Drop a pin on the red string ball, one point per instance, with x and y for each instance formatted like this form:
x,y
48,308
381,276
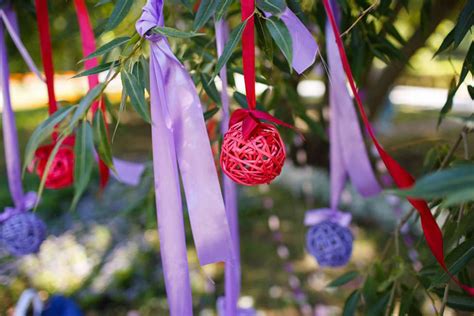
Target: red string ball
x,y
255,160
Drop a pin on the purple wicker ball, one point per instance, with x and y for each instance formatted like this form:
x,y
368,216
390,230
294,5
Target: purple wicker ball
x,y
330,243
23,233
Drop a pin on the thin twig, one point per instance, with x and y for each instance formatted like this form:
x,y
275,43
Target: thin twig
x,y
361,16
458,221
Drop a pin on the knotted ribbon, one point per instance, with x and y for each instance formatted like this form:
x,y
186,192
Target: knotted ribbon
x,y
22,202
179,138
401,177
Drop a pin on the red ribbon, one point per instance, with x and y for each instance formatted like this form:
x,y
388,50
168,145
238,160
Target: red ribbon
x,y
46,51
250,118
402,178
88,47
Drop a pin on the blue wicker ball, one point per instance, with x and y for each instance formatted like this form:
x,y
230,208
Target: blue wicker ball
x,y
330,243
23,233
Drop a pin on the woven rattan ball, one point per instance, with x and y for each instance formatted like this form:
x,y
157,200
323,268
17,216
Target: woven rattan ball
x,y
255,160
330,243
23,233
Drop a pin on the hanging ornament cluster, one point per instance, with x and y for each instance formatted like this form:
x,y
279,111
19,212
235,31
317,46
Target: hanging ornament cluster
x,y
330,243
21,232
402,178
252,152
254,160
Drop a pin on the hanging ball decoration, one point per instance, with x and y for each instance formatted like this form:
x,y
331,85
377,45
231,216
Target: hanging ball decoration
x,y
255,160
23,233
330,243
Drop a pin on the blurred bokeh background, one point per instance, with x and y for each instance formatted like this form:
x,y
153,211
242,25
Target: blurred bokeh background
x,y
106,254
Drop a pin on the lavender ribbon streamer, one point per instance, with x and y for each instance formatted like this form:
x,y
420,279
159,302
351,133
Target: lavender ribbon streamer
x,y
223,311
305,47
10,137
313,217
179,137
9,19
232,268
348,155
128,172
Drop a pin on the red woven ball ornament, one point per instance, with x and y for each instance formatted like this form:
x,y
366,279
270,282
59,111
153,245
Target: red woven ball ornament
x,y
255,160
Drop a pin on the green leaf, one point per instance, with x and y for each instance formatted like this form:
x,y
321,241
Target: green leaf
x,y
442,183
43,131
107,47
101,140
456,260
272,6
470,89
83,160
264,38
98,69
205,12
234,38
351,303
136,93
458,301
121,9
281,36
210,113
344,279
210,88
464,23
221,8
448,41
171,32
85,103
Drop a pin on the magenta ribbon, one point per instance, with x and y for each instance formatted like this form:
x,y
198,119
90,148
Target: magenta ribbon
x,y
304,46
21,201
179,137
232,269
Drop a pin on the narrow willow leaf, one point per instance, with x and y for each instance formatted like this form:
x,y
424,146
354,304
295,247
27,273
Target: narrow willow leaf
x,y
107,47
205,12
210,88
98,69
351,303
464,23
344,279
85,103
137,94
221,8
281,36
101,140
442,183
447,42
272,6
43,131
102,2
171,32
457,259
234,38
210,113
121,9
264,38
83,160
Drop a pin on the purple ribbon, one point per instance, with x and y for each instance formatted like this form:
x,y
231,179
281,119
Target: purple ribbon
x,y
304,46
232,268
223,311
22,202
179,137
128,172
348,155
314,217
